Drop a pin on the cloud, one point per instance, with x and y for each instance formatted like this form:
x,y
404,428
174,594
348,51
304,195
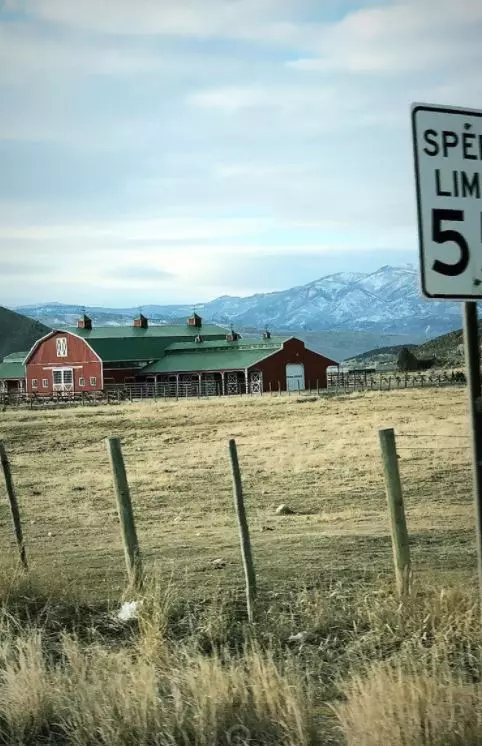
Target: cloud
x,y
198,18
398,38
142,273
19,269
24,49
202,141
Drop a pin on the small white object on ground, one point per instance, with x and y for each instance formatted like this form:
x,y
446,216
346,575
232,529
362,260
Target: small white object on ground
x,y
302,637
284,510
219,563
128,611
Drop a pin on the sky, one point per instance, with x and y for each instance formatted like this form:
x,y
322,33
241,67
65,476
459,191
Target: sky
x,y
172,151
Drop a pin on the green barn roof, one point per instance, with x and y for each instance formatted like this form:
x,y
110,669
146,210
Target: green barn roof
x,y
207,360
163,330
11,371
15,357
274,343
129,343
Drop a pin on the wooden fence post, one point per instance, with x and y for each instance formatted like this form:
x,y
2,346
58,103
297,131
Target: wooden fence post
x,y
126,516
12,499
400,541
243,530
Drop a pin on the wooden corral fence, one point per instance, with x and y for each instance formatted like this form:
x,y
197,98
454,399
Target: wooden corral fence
x,y
343,381
367,380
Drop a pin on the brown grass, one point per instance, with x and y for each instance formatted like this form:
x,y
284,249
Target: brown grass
x,y
190,670
321,457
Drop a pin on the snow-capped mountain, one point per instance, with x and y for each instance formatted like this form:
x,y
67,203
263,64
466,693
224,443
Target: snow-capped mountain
x,y
388,301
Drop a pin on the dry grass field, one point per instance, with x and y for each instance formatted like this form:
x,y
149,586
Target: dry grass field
x,y
320,457
189,670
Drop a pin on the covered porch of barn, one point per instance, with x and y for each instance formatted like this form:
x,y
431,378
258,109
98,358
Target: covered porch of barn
x,y
12,374
206,383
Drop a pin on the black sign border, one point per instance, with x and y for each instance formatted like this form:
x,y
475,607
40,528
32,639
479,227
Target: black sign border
x,y
444,110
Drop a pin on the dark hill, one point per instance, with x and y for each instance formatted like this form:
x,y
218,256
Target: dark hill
x,y
446,349
17,332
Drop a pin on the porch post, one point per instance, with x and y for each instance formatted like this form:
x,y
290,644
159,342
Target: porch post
x,y
177,385
247,380
223,383
199,391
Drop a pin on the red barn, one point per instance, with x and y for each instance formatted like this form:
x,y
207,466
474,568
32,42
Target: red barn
x,y
188,359
63,362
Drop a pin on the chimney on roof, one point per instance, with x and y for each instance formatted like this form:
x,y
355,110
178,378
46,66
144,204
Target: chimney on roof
x,y
84,322
195,321
141,322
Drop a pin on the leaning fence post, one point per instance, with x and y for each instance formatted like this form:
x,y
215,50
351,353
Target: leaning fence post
x,y
126,516
243,530
400,541
12,499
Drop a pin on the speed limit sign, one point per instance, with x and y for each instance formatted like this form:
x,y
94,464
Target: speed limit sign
x,y
448,171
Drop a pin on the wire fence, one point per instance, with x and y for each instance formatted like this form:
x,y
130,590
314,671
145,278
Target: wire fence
x,y
326,471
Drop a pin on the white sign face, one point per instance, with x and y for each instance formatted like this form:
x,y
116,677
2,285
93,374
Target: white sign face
x,y
448,170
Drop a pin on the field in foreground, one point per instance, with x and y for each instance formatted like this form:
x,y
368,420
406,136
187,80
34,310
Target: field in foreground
x,y
189,671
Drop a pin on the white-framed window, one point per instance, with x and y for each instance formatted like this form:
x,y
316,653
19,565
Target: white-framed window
x,y
93,381
81,381
45,383
61,346
34,383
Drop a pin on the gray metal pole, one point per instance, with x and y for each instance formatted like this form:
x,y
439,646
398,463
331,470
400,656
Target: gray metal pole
x,y
472,361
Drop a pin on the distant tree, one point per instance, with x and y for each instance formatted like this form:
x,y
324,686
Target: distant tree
x,y
406,360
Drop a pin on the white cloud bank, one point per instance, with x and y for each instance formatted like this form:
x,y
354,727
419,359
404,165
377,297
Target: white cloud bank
x,y
156,132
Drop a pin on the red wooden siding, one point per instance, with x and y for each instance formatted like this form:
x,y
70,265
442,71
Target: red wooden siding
x,y
80,358
294,351
119,375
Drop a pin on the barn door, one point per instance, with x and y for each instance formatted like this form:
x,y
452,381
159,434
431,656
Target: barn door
x,y
295,377
256,382
63,379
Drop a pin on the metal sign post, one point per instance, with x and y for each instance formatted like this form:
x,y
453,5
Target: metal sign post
x,y
448,173
472,360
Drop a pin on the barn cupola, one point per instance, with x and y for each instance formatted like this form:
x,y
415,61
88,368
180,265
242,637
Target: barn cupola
x,y
84,322
233,336
195,321
140,322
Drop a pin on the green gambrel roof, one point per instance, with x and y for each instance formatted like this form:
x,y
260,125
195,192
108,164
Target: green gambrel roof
x,y
12,370
128,343
115,350
163,330
208,360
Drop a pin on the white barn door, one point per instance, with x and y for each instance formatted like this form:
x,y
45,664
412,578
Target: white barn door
x,y
295,377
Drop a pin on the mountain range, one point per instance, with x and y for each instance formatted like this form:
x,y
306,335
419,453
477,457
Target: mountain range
x,y
387,301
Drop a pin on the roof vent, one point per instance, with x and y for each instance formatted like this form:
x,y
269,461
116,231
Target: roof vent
x,y
141,322
233,336
195,320
84,322
198,339
266,334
